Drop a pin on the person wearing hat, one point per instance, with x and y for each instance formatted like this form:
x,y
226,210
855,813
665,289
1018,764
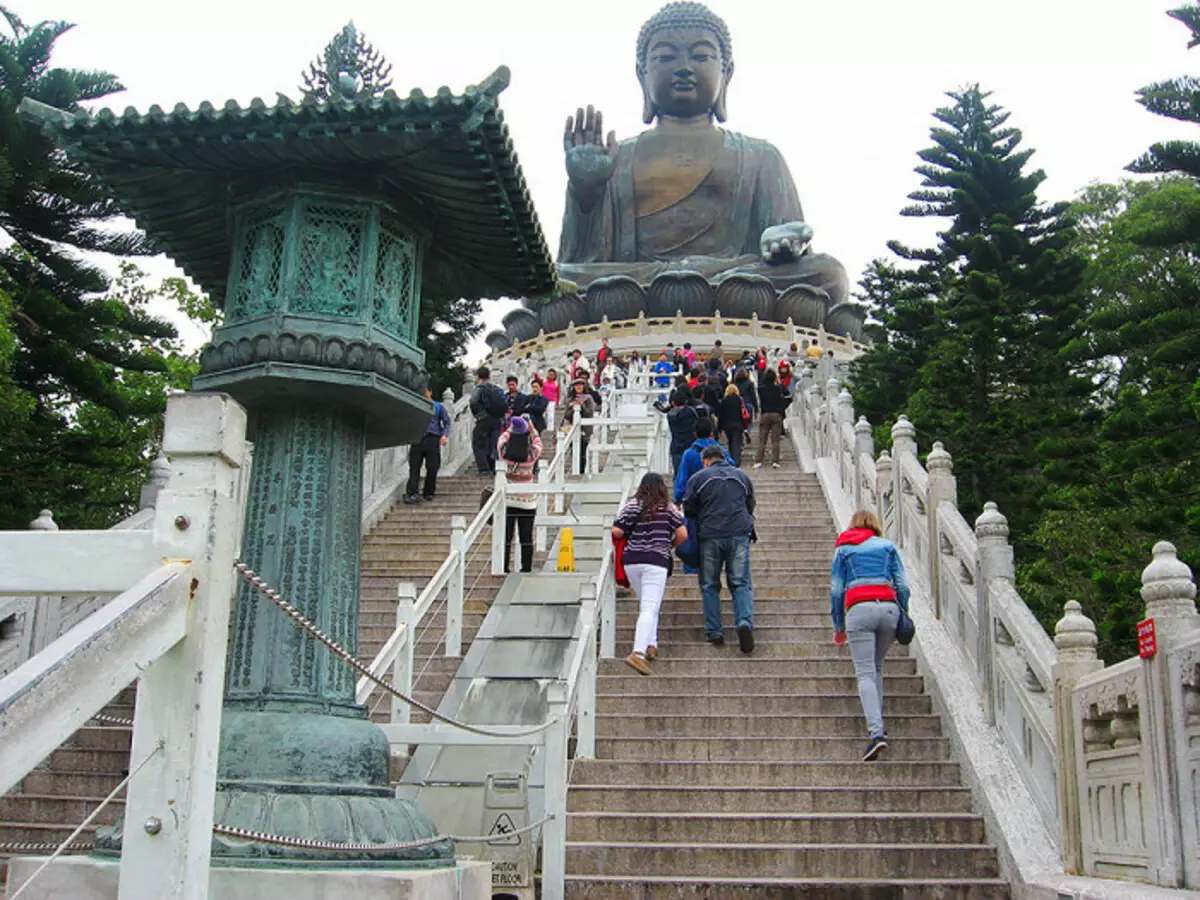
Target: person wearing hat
x,y
519,449
580,398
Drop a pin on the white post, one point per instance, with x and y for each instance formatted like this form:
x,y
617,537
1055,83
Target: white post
x,y
1170,596
1075,639
541,536
585,726
607,595
499,522
864,444
167,842
454,590
993,560
576,440
941,486
402,667
883,491
554,832
904,443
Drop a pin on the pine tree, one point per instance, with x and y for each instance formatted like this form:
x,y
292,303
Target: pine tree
x,y
988,308
448,325
1178,98
70,344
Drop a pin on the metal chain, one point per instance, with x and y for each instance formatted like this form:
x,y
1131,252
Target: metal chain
x,y
254,580
32,847
279,840
111,720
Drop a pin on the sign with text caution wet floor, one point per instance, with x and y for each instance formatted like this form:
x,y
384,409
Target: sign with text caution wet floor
x,y
505,813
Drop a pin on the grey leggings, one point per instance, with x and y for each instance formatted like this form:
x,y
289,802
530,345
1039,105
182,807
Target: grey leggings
x,y
870,630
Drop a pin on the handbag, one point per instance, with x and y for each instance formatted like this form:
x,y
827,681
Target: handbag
x,y
906,629
689,551
619,573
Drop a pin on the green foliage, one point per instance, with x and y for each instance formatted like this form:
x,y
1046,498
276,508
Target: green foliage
x,y
448,325
1176,98
971,328
84,369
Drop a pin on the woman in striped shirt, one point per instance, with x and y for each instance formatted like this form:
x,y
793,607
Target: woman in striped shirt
x,y
651,526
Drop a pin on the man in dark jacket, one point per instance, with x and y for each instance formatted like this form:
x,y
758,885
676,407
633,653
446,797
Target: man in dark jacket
x,y
720,497
513,398
488,407
692,460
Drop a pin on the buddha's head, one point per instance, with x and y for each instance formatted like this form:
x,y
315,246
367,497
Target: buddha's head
x,y
685,61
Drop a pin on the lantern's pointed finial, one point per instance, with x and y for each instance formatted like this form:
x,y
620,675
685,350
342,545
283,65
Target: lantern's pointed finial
x,y
349,68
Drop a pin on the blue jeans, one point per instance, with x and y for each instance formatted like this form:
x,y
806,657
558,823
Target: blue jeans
x,y
870,630
734,554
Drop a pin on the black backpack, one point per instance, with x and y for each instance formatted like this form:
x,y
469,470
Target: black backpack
x,y
493,402
516,449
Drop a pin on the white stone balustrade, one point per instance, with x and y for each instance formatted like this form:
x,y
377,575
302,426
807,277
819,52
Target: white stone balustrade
x,y
1109,757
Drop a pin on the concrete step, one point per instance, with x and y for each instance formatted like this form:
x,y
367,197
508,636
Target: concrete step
x,y
47,809
782,703
776,828
63,782
755,723
761,773
775,659
669,747
654,887
927,799
866,861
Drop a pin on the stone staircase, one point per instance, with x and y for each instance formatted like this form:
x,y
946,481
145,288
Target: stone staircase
x,y
725,775
408,544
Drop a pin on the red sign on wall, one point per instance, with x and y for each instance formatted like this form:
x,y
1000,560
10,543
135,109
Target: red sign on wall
x,y
1147,639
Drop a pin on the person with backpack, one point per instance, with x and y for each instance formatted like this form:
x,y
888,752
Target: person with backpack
x,y
691,462
428,452
745,386
519,449
868,591
651,527
681,421
734,418
488,406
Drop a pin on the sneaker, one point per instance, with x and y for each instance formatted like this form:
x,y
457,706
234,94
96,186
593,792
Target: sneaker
x,y
717,640
745,638
638,663
412,499
651,653
758,465
428,498
874,748
774,465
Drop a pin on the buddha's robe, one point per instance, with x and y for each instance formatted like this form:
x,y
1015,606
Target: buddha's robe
x,y
708,220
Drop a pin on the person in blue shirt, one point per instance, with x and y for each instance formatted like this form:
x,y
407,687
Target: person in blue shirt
x,y
428,452
691,463
663,368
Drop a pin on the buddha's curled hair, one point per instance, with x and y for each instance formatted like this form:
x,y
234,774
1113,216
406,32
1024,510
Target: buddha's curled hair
x,y
686,14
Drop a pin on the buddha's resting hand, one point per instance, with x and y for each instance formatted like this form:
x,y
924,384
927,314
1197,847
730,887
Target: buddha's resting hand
x,y
786,242
591,159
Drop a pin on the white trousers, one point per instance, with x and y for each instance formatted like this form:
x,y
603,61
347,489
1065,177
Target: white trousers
x,y
649,583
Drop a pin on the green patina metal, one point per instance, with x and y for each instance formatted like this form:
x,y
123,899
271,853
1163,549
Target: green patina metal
x,y
317,226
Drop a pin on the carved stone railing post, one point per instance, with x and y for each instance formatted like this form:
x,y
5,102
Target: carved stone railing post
x,y
1075,638
1170,596
643,328
160,474
754,324
864,443
993,560
942,486
883,491
904,443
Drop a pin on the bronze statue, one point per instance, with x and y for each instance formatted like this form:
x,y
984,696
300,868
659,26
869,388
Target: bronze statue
x,y
685,195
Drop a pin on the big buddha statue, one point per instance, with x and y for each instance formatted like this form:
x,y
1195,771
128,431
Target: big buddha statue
x,y
688,204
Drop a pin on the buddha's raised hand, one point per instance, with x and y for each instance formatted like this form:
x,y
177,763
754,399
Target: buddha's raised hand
x,y
783,243
591,158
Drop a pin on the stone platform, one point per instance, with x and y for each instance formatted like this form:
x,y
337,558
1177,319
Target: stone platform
x,y
83,878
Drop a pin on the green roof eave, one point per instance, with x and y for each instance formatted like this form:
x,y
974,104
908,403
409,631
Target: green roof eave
x,y
448,159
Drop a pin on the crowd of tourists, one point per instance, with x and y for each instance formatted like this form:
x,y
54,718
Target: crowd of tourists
x,y
703,517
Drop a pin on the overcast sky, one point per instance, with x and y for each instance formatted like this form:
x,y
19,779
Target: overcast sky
x,y
844,89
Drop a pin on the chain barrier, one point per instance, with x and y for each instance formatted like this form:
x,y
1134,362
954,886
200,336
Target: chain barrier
x,y
111,720
254,580
278,840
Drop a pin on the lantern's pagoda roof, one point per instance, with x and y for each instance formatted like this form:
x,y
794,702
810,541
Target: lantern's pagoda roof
x,y
445,162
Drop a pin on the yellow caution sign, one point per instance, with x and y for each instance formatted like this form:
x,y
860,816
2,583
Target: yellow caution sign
x,y
566,551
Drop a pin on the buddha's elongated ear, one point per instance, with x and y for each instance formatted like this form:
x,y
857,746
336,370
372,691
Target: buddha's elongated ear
x,y
649,111
720,110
